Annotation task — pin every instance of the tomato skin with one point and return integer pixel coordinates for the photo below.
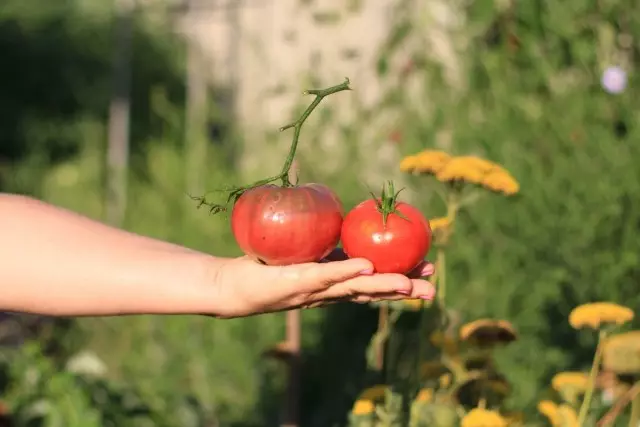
(397, 247)
(283, 226)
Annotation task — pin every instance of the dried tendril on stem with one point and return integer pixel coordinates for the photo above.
(234, 192)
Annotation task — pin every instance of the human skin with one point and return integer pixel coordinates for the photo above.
(56, 262)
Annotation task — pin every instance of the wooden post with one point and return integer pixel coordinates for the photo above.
(196, 112)
(383, 318)
(119, 115)
(292, 402)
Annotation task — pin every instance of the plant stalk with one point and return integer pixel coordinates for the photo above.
(441, 283)
(422, 337)
(610, 417)
(383, 316)
(595, 368)
(388, 344)
(634, 421)
(297, 125)
(235, 192)
(452, 210)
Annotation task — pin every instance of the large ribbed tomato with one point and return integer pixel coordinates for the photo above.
(287, 225)
(396, 246)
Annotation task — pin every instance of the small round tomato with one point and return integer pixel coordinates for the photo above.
(287, 225)
(396, 244)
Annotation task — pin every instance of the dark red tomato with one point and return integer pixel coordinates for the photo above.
(397, 247)
(282, 226)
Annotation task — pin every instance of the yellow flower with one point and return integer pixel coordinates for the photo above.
(476, 170)
(441, 223)
(363, 407)
(550, 410)
(500, 181)
(568, 416)
(479, 417)
(558, 415)
(593, 315)
(425, 162)
(425, 395)
(488, 332)
(408, 164)
(621, 353)
(575, 380)
(431, 161)
(461, 169)
(478, 163)
(374, 393)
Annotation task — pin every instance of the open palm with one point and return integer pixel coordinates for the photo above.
(265, 289)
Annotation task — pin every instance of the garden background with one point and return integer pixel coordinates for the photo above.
(518, 83)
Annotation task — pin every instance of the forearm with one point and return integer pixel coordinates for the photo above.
(53, 261)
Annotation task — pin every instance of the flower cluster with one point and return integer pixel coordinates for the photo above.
(561, 415)
(459, 382)
(479, 417)
(461, 169)
(460, 387)
(594, 315)
(614, 353)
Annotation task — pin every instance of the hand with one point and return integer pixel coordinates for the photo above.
(243, 287)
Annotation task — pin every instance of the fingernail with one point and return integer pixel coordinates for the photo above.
(367, 272)
(429, 295)
(427, 271)
(403, 292)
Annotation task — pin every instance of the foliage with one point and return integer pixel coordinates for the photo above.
(516, 83)
(454, 379)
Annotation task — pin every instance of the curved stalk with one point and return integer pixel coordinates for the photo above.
(595, 368)
(235, 192)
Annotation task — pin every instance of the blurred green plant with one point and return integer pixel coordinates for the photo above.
(510, 82)
(517, 83)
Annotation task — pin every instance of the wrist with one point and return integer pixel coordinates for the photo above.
(185, 284)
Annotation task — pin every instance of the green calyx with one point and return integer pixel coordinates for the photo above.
(234, 193)
(387, 202)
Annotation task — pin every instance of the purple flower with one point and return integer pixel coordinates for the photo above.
(614, 79)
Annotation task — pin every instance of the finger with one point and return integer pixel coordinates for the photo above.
(424, 269)
(370, 285)
(363, 299)
(320, 276)
(422, 289)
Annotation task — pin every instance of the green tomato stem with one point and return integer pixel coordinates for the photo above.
(297, 125)
(387, 202)
(236, 191)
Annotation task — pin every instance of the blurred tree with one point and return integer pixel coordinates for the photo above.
(58, 79)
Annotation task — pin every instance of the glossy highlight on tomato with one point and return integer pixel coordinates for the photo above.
(287, 225)
(395, 247)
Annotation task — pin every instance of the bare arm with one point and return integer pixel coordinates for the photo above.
(55, 262)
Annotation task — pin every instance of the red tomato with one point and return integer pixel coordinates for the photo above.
(397, 247)
(282, 226)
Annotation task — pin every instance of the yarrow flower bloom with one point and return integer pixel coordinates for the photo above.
(614, 79)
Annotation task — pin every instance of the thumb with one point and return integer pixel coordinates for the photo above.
(323, 275)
